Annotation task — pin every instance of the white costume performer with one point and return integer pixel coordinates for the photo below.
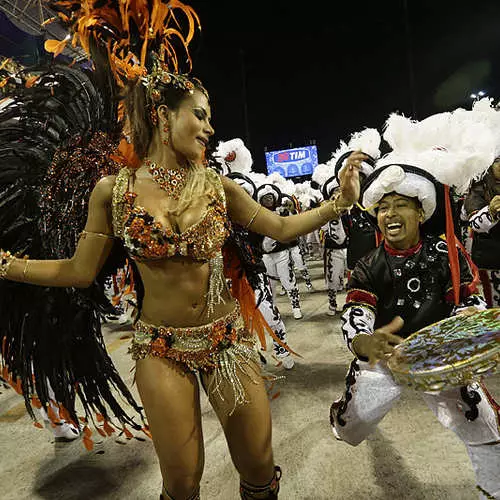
(276, 256)
(289, 207)
(334, 240)
(417, 285)
(236, 161)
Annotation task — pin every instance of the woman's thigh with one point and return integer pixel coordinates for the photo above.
(172, 404)
(248, 427)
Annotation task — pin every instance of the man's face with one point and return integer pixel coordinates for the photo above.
(268, 201)
(399, 218)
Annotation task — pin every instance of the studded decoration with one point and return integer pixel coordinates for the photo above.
(172, 181)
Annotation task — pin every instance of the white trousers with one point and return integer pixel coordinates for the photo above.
(335, 267)
(279, 267)
(265, 301)
(470, 412)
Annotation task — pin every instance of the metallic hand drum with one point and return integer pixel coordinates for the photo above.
(452, 352)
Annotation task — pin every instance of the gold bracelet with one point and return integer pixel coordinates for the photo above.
(25, 270)
(326, 218)
(340, 209)
(6, 260)
(250, 222)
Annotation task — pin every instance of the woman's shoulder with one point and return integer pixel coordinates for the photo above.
(103, 190)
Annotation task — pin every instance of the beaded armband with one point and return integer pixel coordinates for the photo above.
(6, 259)
(118, 202)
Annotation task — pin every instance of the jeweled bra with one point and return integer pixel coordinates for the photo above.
(147, 239)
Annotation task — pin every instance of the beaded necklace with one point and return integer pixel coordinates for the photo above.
(172, 181)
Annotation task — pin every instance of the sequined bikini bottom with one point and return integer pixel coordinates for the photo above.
(223, 347)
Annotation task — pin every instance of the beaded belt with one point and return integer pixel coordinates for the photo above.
(223, 348)
(195, 346)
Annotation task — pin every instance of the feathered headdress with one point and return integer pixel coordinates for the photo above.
(136, 34)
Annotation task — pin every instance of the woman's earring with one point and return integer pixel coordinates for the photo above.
(166, 130)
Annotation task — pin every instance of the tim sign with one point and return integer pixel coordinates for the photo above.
(292, 162)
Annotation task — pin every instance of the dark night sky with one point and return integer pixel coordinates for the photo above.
(322, 70)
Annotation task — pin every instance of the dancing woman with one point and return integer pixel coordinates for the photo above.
(172, 214)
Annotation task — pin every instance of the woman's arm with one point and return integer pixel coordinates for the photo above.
(248, 213)
(92, 251)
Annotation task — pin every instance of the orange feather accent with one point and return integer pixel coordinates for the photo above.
(36, 402)
(100, 431)
(55, 46)
(107, 428)
(31, 81)
(88, 443)
(127, 433)
(52, 415)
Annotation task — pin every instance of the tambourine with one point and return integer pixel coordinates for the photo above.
(449, 353)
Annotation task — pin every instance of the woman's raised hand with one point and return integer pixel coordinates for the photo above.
(349, 179)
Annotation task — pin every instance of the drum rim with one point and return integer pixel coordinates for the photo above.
(458, 373)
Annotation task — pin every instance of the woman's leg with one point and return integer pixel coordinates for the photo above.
(172, 403)
(248, 432)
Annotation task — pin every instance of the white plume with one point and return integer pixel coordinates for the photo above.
(257, 178)
(322, 173)
(367, 141)
(236, 155)
(454, 147)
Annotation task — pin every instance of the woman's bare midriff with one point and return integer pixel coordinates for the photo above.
(176, 293)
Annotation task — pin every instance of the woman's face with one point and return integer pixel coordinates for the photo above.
(190, 127)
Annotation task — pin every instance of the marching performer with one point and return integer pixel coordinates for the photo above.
(482, 206)
(279, 265)
(290, 206)
(414, 279)
(335, 240)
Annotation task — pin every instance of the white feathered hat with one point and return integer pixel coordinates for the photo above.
(324, 177)
(447, 148)
(366, 141)
(234, 155)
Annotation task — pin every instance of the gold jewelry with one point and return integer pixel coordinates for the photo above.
(6, 260)
(25, 270)
(342, 208)
(250, 222)
(172, 181)
(324, 218)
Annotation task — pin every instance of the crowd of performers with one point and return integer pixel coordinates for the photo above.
(192, 246)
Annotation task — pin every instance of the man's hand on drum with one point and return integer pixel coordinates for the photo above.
(349, 179)
(380, 345)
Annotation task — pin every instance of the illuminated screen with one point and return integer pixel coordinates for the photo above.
(292, 162)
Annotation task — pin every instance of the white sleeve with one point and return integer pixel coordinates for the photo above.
(481, 221)
(357, 319)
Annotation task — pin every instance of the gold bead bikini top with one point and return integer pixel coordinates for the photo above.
(146, 239)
